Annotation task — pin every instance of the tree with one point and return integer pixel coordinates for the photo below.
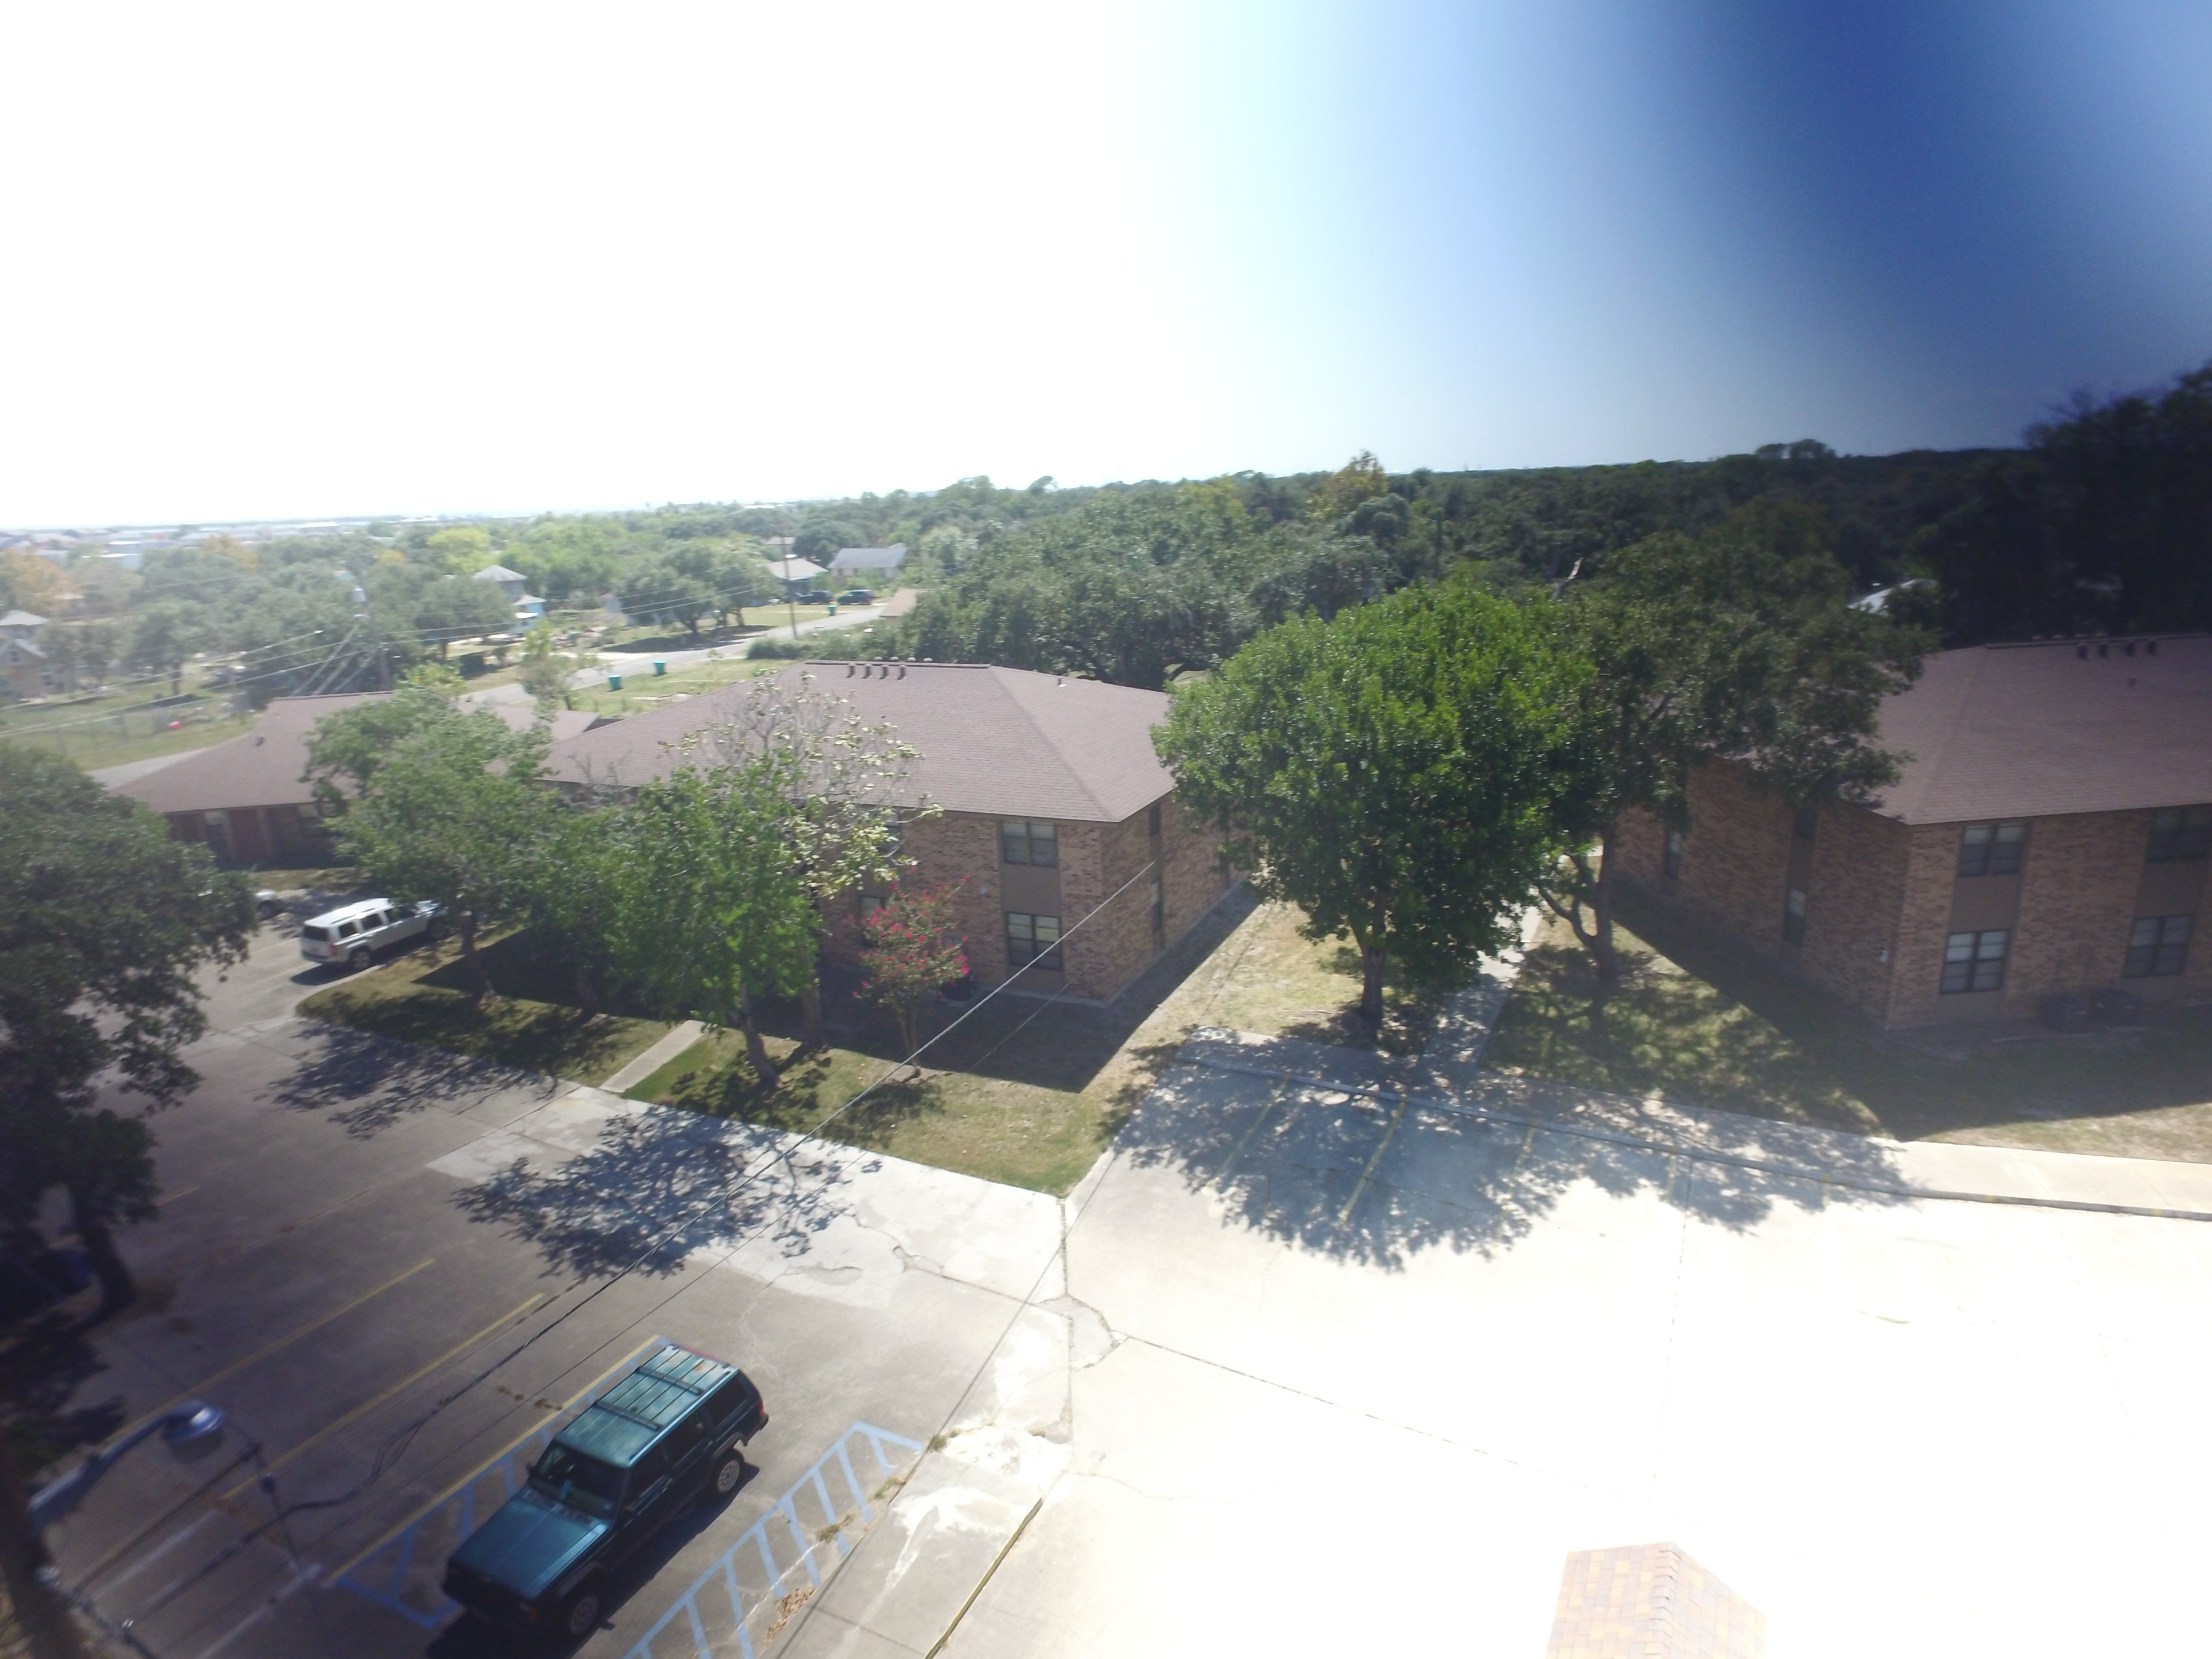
(103, 921)
(546, 672)
(164, 635)
(31, 582)
(711, 921)
(346, 750)
(454, 607)
(1395, 772)
(1741, 646)
(575, 890)
(461, 550)
(912, 953)
(839, 835)
(455, 812)
(654, 591)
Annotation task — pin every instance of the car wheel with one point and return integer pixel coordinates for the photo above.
(356, 962)
(581, 1616)
(729, 1475)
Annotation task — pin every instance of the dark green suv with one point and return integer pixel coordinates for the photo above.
(636, 1457)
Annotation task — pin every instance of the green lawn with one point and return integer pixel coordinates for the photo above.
(1021, 1133)
(642, 691)
(1701, 1022)
(422, 997)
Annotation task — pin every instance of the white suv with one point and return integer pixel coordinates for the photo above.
(354, 932)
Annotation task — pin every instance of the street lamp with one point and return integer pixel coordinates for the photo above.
(190, 1432)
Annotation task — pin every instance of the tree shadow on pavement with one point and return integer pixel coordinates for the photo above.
(367, 1082)
(659, 1184)
(1378, 1177)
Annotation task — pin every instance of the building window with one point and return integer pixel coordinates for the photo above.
(870, 904)
(1673, 862)
(2157, 945)
(1992, 849)
(1159, 908)
(1793, 916)
(1022, 843)
(2180, 832)
(1032, 941)
(1975, 961)
(1808, 822)
(1153, 820)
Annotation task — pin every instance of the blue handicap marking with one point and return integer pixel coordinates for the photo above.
(755, 1585)
(747, 1592)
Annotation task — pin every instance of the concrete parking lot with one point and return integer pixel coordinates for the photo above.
(1373, 1369)
(354, 1229)
(1328, 1354)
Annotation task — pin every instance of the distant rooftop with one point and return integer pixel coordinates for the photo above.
(869, 558)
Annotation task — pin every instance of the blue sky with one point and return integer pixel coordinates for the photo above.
(445, 259)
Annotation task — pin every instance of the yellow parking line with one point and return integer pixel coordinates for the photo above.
(261, 1353)
(491, 1463)
(409, 1381)
(1368, 1174)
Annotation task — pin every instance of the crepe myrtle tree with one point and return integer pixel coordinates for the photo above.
(841, 833)
(710, 922)
(912, 953)
(1397, 772)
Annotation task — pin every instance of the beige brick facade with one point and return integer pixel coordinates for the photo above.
(1098, 862)
(1882, 897)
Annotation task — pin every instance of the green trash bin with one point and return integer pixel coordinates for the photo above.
(833, 610)
(660, 666)
(614, 682)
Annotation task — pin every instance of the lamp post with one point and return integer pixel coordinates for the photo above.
(191, 1431)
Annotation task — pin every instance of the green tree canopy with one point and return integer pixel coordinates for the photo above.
(1395, 772)
(104, 923)
(1738, 645)
(453, 812)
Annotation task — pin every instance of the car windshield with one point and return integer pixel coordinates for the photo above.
(582, 1483)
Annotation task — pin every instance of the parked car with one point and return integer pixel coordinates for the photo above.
(354, 934)
(857, 596)
(813, 596)
(637, 1456)
(266, 902)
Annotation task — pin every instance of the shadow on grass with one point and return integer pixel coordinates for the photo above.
(1703, 1021)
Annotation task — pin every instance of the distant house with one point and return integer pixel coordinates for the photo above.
(511, 582)
(868, 566)
(796, 573)
(247, 800)
(528, 607)
(24, 670)
(1054, 803)
(2051, 835)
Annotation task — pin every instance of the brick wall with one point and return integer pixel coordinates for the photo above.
(1095, 860)
(1736, 871)
(2079, 880)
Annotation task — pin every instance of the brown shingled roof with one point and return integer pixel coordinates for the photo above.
(998, 741)
(265, 767)
(2031, 731)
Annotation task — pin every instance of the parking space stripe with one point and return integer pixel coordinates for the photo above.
(1381, 1147)
(407, 1381)
(492, 1462)
(280, 1343)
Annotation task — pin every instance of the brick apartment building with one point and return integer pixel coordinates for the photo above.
(2049, 834)
(1052, 803)
(248, 800)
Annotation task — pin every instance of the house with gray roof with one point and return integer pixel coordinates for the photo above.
(2048, 838)
(867, 564)
(1053, 809)
(24, 670)
(249, 799)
